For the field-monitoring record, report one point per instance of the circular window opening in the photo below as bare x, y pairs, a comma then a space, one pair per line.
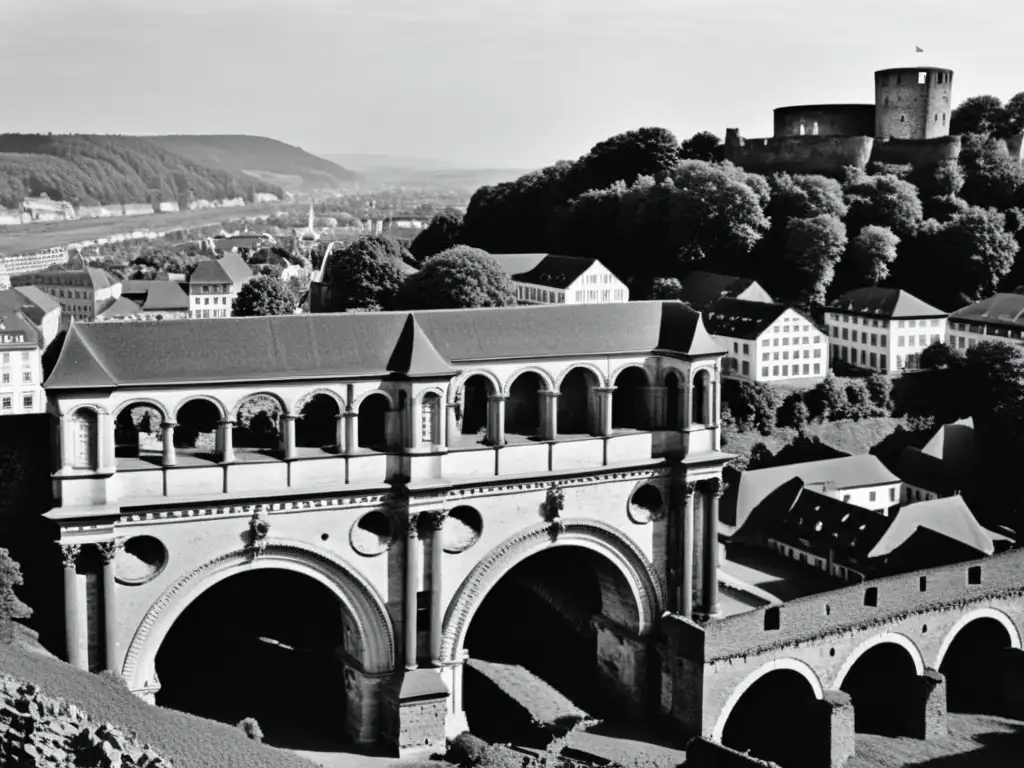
141, 559
462, 529
645, 504
372, 534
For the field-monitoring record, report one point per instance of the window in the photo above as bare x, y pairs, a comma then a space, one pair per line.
746, 349
85, 445
764, 371
863, 337
922, 584
785, 370
922, 78
846, 497
871, 597
5, 378
884, 340
884, 362
429, 418
6, 402
871, 496
845, 336
873, 361
807, 369
775, 370
874, 339
814, 129
817, 368
26, 377
746, 368
27, 402
771, 615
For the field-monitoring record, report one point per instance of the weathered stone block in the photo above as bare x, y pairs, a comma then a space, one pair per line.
704, 753
928, 717
415, 705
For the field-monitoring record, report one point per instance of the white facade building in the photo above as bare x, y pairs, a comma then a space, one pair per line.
882, 329
997, 318
29, 320
542, 278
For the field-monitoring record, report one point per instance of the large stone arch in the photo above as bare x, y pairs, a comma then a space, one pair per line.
357, 402
593, 535
793, 665
366, 608
602, 380
894, 638
545, 378
307, 396
625, 367
963, 621
214, 401
150, 402
460, 381
285, 411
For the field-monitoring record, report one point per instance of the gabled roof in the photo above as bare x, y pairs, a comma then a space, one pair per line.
320, 346
740, 319
414, 355
859, 471
155, 295
701, 288
235, 267
210, 272
120, 307
1003, 309
946, 463
884, 302
550, 269
34, 296
949, 516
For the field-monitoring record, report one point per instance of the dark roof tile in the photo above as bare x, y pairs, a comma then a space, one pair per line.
884, 302
741, 319
702, 288
1003, 309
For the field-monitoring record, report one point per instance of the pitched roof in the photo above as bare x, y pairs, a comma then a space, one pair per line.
235, 267
209, 272
741, 319
120, 307
13, 320
318, 346
414, 355
1003, 309
946, 463
156, 295
550, 269
33, 295
93, 277
884, 302
840, 473
701, 288
949, 516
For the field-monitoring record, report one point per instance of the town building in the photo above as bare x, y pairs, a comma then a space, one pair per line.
29, 321
81, 293
244, 243
882, 329
997, 318
33, 261
158, 299
945, 466
545, 278
700, 289
767, 342
213, 285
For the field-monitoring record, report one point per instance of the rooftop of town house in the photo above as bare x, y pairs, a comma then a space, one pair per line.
883, 302
90, 277
120, 307
32, 296
323, 346
158, 295
949, 516
14, 323
229, 268
946, 463
546, 269
1003, 309
702, 288
742, 319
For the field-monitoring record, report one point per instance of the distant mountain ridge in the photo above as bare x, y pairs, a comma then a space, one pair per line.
371, 162
90, 169
267, 159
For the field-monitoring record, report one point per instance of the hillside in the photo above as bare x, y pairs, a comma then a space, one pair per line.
267, 159
424, 173
86, 169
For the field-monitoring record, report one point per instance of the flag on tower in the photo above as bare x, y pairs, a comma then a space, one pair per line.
918, 50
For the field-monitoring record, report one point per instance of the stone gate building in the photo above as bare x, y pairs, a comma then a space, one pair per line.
407, 462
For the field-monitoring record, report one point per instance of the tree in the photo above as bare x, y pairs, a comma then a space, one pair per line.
365, 274
1013, 115
858, 398
703, 145
666, 288
992, 178
11, 608
828, 400
753, 404
263, 296
884, 200
761, 457
804, 197
939, 355
814, 246
298, 284
873, 250
456, 278
978, 114
972, 253
880, 387
625, 157
443, 232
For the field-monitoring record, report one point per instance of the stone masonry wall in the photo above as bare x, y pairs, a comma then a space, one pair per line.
702, 753
36, 730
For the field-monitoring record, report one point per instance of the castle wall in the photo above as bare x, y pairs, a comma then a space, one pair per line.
908, 109
917, 152
801, 154
830, 119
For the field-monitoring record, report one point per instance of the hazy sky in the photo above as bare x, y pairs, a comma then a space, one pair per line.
497, 83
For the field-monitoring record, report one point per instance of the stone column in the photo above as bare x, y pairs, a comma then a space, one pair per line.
227, 441
351, 432
927, 718
288, 435
170, 458
72, 629
686, 554
108, 551
834, 744
339, 433
105, 444
452, 424
496, 419
412, 573
686, 404
434, 523
548, 414
604, 410
709, 597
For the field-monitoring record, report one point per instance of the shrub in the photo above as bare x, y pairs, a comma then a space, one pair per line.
115, 677
880, 387
761, 457
858, 398
251, 728
793, 412
11, 608
828, 401
466, 749
752, 404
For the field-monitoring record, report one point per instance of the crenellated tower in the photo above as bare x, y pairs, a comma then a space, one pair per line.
913, 102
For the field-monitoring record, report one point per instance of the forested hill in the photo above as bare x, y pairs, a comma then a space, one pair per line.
267, 159
85, 169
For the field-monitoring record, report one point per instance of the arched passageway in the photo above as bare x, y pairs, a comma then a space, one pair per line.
544, 615
629, 401
373, 422
883, 686
258, 424
700, 399
475, 392
317, 425
973, 665
260, 644
522, 409
196, 430
774, 719
576, 403
138, 432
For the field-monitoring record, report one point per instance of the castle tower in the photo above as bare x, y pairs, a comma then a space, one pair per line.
913, 102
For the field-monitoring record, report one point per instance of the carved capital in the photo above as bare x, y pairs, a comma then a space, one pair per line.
69, 554
412, 526
716, 487
432, 520
689, 489
168, 425
108, 550
229, 423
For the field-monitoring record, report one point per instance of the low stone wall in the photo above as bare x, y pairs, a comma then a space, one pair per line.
36, 730
703, 753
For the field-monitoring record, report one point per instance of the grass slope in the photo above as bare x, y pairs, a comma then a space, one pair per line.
185, 740
853, 437
260, 157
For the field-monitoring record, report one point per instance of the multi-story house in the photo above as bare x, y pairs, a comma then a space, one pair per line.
997, 318
214, 284
701, 289
544, 278
81, 293
160, 299
18, 263
28, 322
883, 329
767, 342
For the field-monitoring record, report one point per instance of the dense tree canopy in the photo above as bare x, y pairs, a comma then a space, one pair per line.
815, 246
365, 274
442, 233
262, 296
456, 278
884, 200
872, 251
979, 114
703, 145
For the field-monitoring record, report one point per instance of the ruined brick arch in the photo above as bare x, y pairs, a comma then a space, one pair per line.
307, 396
285, 411
459, 382
893, 638
357, 403
793, 665
598, 375
360, 601
966, 619
593, 535
156, 405
215, 402
545, 378
622, 368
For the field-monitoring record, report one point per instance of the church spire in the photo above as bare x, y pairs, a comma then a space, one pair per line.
310, 216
